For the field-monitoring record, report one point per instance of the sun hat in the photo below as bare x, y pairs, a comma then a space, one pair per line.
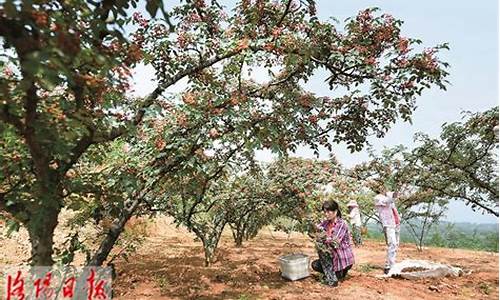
352, 203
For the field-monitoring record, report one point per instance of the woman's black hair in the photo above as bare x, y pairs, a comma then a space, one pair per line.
332, 206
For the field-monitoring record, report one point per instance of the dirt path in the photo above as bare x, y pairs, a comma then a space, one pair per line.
169, 265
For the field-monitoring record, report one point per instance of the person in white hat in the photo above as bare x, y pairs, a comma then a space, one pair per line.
355, 219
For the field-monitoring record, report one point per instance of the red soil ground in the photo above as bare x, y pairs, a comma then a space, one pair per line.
170, 265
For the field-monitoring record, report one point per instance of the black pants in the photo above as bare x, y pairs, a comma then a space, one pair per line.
318, 267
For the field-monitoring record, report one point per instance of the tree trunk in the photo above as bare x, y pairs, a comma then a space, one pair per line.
112, 235
41, 226
209, 255
237, 235
239, 241
210, 244
240, 235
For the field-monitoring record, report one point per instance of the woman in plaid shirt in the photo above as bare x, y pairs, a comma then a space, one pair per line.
333, 243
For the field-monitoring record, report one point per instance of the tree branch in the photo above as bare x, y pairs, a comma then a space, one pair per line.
11, 119
150, 99
287, 10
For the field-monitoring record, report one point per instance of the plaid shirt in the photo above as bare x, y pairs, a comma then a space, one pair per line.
342, 255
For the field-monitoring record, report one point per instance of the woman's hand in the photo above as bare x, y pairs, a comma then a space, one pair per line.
321, 237
332, 242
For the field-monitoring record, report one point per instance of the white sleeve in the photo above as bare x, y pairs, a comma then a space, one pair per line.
381, 200
392, 196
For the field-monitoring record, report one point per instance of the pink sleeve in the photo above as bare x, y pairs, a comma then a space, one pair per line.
342, 231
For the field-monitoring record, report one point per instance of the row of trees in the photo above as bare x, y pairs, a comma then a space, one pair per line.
288, 193
462, 164
74, 138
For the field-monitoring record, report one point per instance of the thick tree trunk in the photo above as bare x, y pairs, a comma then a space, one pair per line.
41, 228
210, 244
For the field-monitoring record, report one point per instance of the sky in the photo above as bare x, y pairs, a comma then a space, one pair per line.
471, 30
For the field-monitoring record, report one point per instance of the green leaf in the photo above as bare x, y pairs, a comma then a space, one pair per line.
12, 226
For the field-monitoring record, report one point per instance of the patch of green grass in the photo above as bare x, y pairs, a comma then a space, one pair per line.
367, 268
161, 281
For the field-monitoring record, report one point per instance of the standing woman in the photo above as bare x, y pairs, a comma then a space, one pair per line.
333, 245
355, 218
389, 217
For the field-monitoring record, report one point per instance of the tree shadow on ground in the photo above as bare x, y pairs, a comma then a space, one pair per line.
185, 276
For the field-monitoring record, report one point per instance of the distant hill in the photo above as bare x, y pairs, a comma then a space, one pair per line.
482, 227
449, 235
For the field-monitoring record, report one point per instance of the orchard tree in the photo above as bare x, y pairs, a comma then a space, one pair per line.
462, 163
421, 218
289, 190
65, 77
301, 184
200, 197
253, 203
394, 172
64, 69
384, 169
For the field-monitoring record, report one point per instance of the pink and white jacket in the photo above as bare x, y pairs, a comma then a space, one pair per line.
387, 212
